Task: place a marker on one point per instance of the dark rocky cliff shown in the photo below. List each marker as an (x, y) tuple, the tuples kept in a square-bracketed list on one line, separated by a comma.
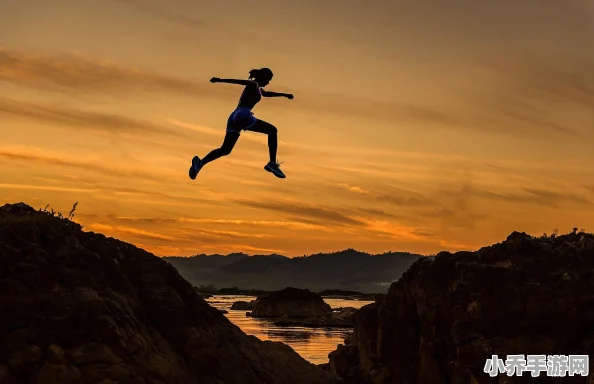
[(78, 307), (440, 322)]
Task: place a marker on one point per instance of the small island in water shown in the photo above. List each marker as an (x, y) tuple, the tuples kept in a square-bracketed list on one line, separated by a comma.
[(78, 307)]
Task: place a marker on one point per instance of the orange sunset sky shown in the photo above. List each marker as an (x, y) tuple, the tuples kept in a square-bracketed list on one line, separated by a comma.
[(417, 126)]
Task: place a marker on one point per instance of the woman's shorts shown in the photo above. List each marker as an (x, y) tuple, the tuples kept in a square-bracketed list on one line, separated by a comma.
[(240, 119)]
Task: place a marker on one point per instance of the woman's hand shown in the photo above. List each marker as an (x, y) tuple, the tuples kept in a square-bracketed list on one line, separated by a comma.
[(215, 80), (289, 96)]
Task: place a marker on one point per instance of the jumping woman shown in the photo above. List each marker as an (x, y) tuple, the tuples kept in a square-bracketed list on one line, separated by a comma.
[(243, 119)]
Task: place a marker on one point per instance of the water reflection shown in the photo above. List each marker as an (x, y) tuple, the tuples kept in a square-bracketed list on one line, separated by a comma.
[(313, 344), (287, 334)]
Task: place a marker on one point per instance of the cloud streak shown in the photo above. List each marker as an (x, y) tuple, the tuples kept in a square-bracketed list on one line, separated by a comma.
[(206, 221), (538, 93), (535, 196), (325, 214), (43, 158), (102, 122), (163, 13), (45, 188), (516, 105), (79, 73)]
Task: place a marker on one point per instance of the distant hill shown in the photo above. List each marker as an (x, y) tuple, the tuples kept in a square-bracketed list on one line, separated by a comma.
[(345, 270), (207, 261)]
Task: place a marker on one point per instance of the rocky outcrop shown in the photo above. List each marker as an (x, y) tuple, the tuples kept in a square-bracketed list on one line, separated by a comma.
[(448, 314), (292, 303), (77, 307), (297, 307), (343, 318), (242, 305), (345, 361)]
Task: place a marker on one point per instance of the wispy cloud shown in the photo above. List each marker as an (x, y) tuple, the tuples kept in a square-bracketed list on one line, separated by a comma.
[(79, 73), (44, 157), (468, 206), (516, 106), (131, 231), (164, 12), (326, 214), (531, 96), (176, 14), (170, 239), (45, 188), (390, 195), (373, 212), (400, 197), (542, 197), (354, 188), (75, 118), (393, 230), (538, 93), (225, 222)]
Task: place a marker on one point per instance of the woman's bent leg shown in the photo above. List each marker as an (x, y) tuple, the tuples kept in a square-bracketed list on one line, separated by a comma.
[(262, 126)]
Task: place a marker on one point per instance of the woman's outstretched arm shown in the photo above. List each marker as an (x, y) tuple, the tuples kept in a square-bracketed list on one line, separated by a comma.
[(231, 81), (276, 94)]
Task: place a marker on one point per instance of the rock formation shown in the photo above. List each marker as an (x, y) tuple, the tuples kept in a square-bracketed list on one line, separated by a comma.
[(440, 322), (77, 307), (292, 303), (242, 306)]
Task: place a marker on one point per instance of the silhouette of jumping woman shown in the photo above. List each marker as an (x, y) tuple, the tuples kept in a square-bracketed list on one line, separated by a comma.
[(243, 119)]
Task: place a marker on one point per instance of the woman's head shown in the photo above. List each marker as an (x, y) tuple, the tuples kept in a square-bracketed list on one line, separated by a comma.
[(262, 76)]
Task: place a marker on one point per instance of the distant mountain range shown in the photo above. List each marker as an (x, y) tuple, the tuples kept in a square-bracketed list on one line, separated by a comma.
[(344, 270)]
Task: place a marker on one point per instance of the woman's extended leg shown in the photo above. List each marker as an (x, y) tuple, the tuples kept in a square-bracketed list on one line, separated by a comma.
[(224, 150), (262, 126)]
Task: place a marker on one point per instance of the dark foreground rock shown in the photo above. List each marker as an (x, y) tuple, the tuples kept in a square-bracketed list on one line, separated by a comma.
[(446, 315), (78, 307), (292, 303)]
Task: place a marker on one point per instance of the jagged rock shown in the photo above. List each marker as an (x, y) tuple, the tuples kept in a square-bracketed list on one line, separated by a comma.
[(290, 302), (344, 361), (78, 307), (449, 313)]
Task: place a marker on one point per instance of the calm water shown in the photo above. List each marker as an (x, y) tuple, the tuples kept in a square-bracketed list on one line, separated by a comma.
[(313, 344)]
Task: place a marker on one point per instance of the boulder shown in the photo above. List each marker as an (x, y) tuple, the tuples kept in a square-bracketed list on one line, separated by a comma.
[(292, 303), (242, 306)]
